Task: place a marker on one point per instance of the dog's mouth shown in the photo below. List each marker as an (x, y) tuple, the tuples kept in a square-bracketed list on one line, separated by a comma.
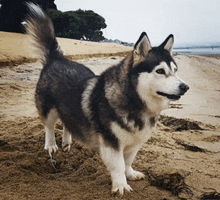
[(169, 96)]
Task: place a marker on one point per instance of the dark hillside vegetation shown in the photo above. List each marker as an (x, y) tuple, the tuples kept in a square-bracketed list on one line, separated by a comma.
[(85, 25)]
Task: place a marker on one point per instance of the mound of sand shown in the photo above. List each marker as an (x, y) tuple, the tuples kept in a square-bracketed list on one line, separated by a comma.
[(17, 48), (180, 161)]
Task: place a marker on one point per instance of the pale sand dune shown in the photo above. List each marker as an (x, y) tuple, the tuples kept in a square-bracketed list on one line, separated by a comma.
[(17, 48)]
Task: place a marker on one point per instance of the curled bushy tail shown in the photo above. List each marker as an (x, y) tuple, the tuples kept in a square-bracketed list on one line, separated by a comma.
[(40, 28)]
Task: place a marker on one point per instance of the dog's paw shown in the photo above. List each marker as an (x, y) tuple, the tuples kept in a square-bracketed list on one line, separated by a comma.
[(66, 140), (121, 188), (135, 175), (51, 149), (66, 147)]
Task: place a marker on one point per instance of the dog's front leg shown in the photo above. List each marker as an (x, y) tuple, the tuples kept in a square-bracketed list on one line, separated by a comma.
[(129, 155), (114, 161)]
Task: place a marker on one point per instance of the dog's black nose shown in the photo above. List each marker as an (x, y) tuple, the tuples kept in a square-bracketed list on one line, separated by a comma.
[(183, 88)]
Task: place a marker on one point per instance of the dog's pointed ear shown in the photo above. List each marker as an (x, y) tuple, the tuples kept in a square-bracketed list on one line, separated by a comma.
[(168, 43), (142, 46)]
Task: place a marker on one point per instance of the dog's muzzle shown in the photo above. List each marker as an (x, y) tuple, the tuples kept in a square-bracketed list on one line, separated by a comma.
[(182, 90)]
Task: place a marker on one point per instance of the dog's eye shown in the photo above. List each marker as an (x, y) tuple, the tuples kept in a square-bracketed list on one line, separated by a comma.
[(160, 71)]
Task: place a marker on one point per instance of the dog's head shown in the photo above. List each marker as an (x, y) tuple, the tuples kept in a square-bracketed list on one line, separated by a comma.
[(155, 68)]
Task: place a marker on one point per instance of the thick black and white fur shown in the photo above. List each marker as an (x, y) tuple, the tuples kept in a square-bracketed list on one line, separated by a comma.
[(114, 112)]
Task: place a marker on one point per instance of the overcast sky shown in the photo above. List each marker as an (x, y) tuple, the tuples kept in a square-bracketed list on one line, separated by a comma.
[(191, 21)]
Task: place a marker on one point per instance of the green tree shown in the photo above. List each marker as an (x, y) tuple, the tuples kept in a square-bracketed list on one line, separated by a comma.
[(60, 21), (78, 24), (91, 25)]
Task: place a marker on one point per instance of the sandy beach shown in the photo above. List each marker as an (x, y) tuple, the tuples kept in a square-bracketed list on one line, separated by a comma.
[(180, 161)]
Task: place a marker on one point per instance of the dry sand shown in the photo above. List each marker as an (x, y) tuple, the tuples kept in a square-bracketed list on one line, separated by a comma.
[(181, 160), (17, 48)]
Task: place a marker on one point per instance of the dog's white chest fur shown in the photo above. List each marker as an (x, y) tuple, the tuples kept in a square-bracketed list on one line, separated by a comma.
[(131, 139)]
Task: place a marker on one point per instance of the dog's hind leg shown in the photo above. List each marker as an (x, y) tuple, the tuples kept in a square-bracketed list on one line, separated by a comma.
[(129, 156), (66, 139), (114, 161), (50, 141)]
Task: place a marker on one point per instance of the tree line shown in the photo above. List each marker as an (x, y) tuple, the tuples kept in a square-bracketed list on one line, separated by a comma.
[(79, 24)]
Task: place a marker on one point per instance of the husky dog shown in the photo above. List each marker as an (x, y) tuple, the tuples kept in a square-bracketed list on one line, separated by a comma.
[(113, 112)]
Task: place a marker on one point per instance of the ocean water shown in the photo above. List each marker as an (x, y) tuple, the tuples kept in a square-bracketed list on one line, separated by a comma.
[(198, 51)]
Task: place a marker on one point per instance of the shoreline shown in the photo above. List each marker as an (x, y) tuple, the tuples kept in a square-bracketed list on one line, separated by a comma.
[(199, 54)]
